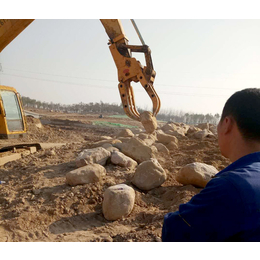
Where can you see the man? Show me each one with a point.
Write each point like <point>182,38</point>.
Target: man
<point>228,208</point>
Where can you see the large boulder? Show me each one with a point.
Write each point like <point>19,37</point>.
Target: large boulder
<point>118,201</point>
<point>197,174</point>
<point>149,121</point>
<point>165,138</point>
<point>149,175</point>
<point>149,139</point>
<point>180,132</point>
<point>136,149</point>
<point>88,174</point>
<point>125,133</point>
<point>97,155</point>
<point>144,136</point>
<point>120,159</point>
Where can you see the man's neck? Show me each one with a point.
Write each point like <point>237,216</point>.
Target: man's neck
<point>243,148</point>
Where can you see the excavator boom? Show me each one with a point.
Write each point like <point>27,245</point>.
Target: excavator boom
<point>129,69</point>
<point>10,28</point>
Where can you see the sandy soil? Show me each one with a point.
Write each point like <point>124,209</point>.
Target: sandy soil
<point>37,205</point>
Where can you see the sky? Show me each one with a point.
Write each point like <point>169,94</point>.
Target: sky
<point>199,63</point>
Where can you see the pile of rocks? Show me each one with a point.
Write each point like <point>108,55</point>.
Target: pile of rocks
<point>138,152</point>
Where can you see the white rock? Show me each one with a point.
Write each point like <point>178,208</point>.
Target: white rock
<point>125,133</point>
<point>118,201</point>
<point>149,175</point>
<point>87,174</point>
<point>120,159</point>
<point>97,155</point>
<point>197,174</point>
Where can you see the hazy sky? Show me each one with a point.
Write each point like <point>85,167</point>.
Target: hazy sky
<point>199,63</point>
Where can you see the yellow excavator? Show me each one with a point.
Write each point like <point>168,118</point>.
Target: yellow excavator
<point>12,118</point>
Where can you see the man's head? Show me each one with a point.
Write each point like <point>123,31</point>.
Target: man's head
<point>240,120</point>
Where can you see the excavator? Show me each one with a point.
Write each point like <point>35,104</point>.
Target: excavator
<point>12,118</point>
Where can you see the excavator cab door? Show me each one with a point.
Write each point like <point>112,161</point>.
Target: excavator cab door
<point>12,110</point>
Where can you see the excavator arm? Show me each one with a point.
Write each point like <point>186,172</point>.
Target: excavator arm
<point>10,28</point>
<point>129,69</point>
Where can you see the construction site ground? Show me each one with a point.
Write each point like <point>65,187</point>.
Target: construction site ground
<point>36,204</point>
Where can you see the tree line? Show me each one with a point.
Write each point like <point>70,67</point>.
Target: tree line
<point>106,108</point>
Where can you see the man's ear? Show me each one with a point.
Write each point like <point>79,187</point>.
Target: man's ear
<point>227,125</point>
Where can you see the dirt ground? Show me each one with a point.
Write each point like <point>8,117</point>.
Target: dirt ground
<point>36,204</point>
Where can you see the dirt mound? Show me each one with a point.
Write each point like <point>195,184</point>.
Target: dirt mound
<point>37,205</point>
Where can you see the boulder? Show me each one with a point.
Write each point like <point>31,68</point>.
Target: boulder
<point>202,134</point>
<point>192,130</point>
<point>88,174</point>
<point>165,138</point>
<point>203,126</point>
<point>161,148</point>
<point>149,175</point>
<point>125,133</point>
<point>178,133</point>
<point>97,155</point>
<point>149,139</point>
<point>197,174</point>
<point>144,136</point>
<point>172,146</point>
<point>122,160</point>
<point>148,121</point>
<point>169,126</point>
<point>185,127</point>
<point>118,146</point>
<point>118,201</point>
<point>136,149</point>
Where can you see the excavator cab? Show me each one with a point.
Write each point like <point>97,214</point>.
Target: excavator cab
<point>12,118</point>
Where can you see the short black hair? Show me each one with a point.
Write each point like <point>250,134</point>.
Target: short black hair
<point>244,107</point>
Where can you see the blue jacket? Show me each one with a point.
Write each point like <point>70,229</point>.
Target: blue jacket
<point>227,209</point>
